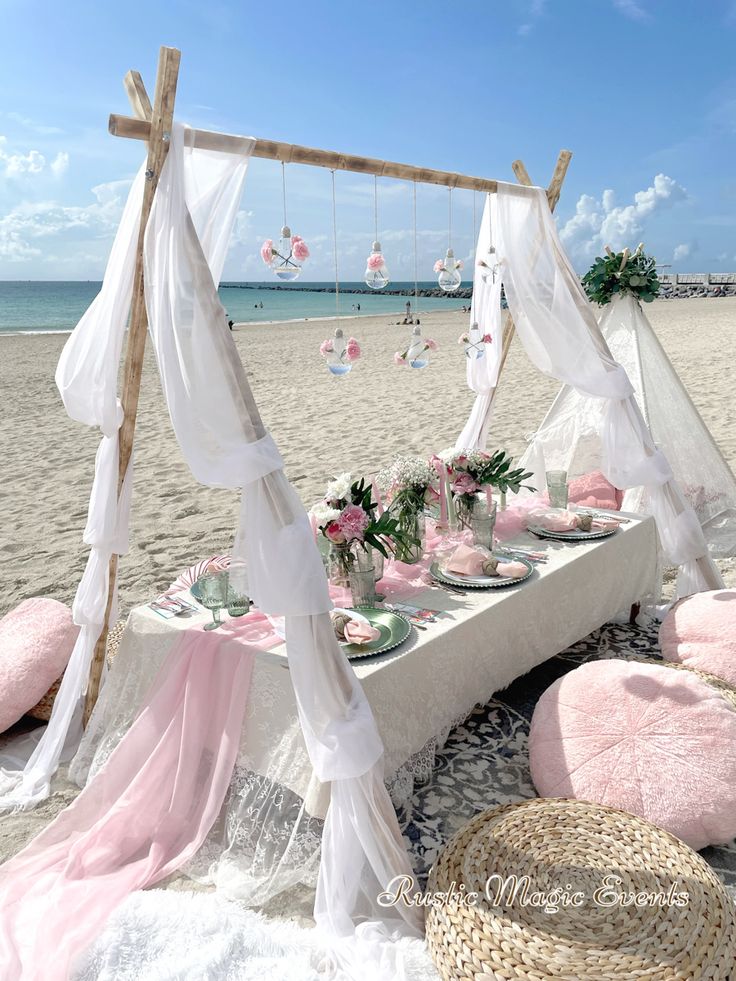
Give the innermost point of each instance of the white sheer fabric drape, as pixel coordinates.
(558, 329)
(485, 311)
(225, 443)
(87, 380)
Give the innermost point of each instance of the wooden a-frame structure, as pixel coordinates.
(152, 123)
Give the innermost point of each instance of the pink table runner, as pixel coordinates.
(146, 813)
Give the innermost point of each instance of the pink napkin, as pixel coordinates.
(511, 570)
(466, 561)
(555, 520)
(360, 632)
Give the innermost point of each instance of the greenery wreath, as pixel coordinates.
(621, 272)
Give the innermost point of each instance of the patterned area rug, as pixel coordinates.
(485, 761)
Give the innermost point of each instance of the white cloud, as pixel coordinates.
(31, 124)
(631, 9)
(536, 9)
(60, 164)
(681, 252)
(599, 223)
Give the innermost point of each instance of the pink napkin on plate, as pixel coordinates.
(554, 520)
(360, 632)
(511, 570)
(466, 561)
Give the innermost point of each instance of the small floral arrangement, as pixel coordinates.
(409, 484)
(350, 353)
(298, 251)
(375, 261)
(619, 272)
(402, 358)
(347, 516)
(465, 339)
(469, 471)
(442, 265)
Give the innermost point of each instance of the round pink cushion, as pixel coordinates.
(644, 738)
(36, 641)
(700, 631)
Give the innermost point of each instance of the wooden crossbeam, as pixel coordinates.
(160, 118)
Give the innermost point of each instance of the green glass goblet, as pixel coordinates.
(214, 596)
(238, 601)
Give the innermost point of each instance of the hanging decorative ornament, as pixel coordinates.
(376, 273)
(340, 353)
(475, 342)
(489, 265)
(285, 261)
(417, 351)
(449, 278)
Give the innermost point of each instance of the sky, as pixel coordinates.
(642, 91)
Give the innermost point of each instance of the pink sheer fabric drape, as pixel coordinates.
(144, 815)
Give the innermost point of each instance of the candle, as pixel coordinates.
(313, 523)
(444, 491)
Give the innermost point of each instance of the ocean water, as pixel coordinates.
(31, 306)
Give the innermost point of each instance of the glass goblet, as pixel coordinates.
(214, 596)
(238, 601)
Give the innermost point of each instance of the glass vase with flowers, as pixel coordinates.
(475, 474)
(410, 485)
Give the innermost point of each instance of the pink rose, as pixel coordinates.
(353, 522)
(399, 358)
(299, 248)
(464, 484)
(463, 339)
(326, 347)
(487, 339)
(267, 251)
(375, 261)
(437, 464)
(352, 350)
(461, 460)
(334, 533)
(459, 264)
(431, 345)
(439, 266)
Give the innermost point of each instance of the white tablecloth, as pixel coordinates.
(435, 679)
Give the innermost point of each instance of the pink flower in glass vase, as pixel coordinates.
(439, 266)
(267, 251)
(299, 248)
(352, 349)
(375, 260)
(399, 358)
(334, 533)
(487, 339)
(431, 345)
(463, 339)
(326, 347)
(353, 522)
(464, 484)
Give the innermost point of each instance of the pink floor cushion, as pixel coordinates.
(36, 642)
(700, 631)
(644, 738)
(593, 490)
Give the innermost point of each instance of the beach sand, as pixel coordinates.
(322, 425)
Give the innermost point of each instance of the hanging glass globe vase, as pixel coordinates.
(339, 353)
(449, 278)
(417, 350)
(285, 259)
(475, 343)
(376, 273)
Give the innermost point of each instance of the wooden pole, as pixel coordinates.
(553, 196)
(159, 131)
(138, 129)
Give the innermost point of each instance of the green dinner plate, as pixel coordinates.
(394, 630)
(571, 536)
(481, 581)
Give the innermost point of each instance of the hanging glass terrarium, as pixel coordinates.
(376, 273)
(449, 278)
(340, 353)
(474, 342)
(285, 259)
(417, 352)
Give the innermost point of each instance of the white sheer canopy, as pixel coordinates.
(559, 332)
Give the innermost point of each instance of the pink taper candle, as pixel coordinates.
(444, 491)
(313, 523)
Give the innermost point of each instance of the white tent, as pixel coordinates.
(568, 438)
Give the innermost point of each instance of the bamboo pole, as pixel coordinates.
(138, 129)
(159, 130)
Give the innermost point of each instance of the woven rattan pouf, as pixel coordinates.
(568, 920)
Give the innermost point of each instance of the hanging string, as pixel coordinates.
(449, 218)
(416, 275)
(334, 246)
(472, 249)
(375, 203)
(283, 187)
